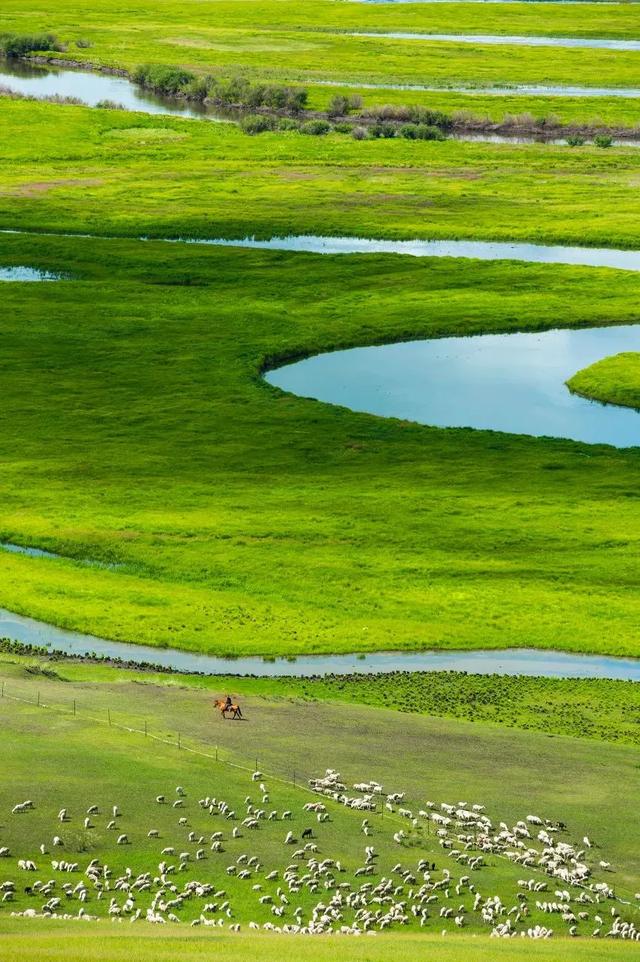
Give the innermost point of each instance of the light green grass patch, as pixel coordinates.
(614, 380)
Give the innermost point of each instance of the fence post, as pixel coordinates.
(145, 728)
(109, 715)
(74, 706)
(38, 699)
(178, 739)
(294, 777)
(3, 689)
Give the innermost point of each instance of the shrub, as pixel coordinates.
(21, 45)
(384, 130)
(238, 91)
(197, 89)
(83, 44)
(409, 131)
(166, 80)
(257, 124)
(341, 105)
(575, 140)
(433, 118)
(603, 140)
(316, 128)
(360, 133)
(389, 112)
(343, 128)
(109, 105)
(288, 123)
(429, 132)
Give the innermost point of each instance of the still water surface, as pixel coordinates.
(521, 661)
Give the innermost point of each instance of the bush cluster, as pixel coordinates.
(341, 105)
(20, 45)
(165, 80)
(262, 123)
(230, 91)
(414, 114)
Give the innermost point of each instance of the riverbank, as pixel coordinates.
(459, 123)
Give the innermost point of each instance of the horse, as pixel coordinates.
(223, 707)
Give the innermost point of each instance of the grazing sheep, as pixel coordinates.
(123, 840)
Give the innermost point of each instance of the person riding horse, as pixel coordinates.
(225, 705)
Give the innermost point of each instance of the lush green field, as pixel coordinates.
(614, 380)
(110, 172)
(582, 708)
(148, 439)
(60, 942)
(279, 39)
(64, 760)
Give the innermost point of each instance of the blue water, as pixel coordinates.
(91, 88)
(533, 90)
(28, 274)
(597, 43)
(516, 661)
(501, 382)
(478, 250)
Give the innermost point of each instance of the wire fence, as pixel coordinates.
(117, 719)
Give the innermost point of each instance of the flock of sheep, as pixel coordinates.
(312, 892)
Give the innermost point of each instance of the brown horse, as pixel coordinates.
(223, 707)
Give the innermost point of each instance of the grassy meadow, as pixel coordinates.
(69, 942)
(596, 708)
(614, 380)
(276, 39)
(280, 40)
(245, 521)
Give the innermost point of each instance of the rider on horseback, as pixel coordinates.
(228, 704)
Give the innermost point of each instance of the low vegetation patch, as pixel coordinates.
(614, 380)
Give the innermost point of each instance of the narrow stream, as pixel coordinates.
(92, 88)
(595, 43)
(529, 90)
(28, 274)
(517, 661)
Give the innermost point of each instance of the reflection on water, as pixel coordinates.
(531, 90)
(478, 250)
(550, 664)
(26, 274)
(500, 382)
(92, 88)
(597, 43)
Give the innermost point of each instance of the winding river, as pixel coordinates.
(437, 382)
(516, 661)
(92, 88)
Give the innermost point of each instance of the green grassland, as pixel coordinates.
(603, 709)
(59, 759)
(286, 41)
(110, 172)
(64, 942)
(614, 380)
(137, 431)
